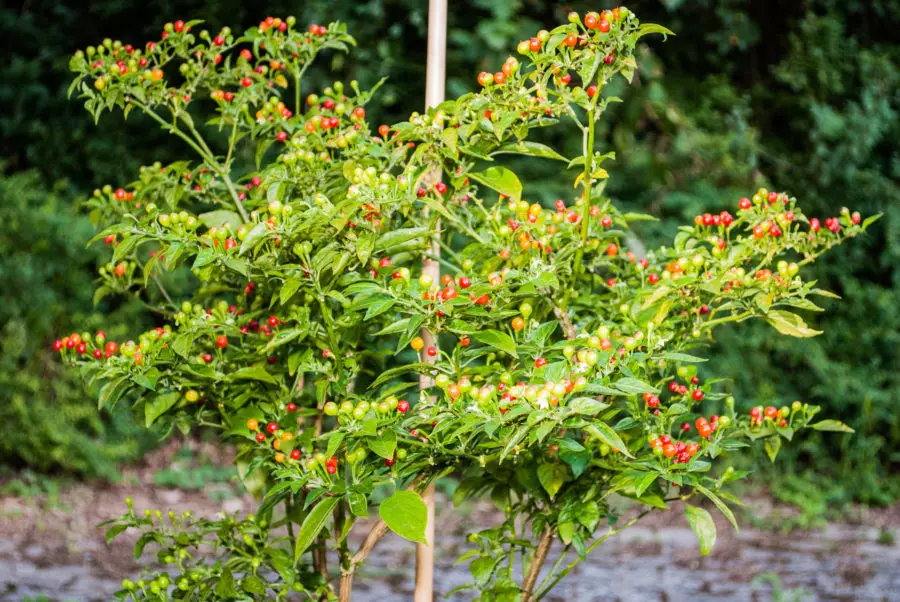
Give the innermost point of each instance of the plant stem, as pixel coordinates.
(320, 562)
(298, 77)
(368, 544)
(172, 129)
(731, 318)
(203, 150)
(546, 589)
(534, 569)
(162, 289)
(375, 533)
(555, 566)
(222, 170)
(586, 181)
(563, 316)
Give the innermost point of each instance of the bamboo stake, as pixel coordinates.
(434, 95)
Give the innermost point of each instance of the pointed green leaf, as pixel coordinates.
(551, 477)
(220, 218)
(500, 179)
(359, 505)
(702, 524)
(406, 515)
(384, 444)
(158, 406)
(724, 509)
(496, 339)
(605, 433)
(832, 425)
(790, 324)
(648, 28)
(532, 149)
(256, 372)
(313, 524)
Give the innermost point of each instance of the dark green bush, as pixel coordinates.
(47, 419)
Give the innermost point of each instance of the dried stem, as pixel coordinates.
(563, 317)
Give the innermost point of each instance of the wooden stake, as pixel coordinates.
(434, 95)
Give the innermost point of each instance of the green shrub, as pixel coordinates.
(48, 419)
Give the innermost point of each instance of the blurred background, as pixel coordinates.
(800, 96)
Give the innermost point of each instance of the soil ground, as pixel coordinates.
(54, 552)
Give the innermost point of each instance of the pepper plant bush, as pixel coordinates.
(564, 368)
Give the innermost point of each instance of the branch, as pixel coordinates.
(546, 589)
(534, 569)
(375, 534)
(162, 289)
(563, 317)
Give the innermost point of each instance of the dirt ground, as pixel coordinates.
(55, 551)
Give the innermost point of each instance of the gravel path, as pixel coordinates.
(56, 552)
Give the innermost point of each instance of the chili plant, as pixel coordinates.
(565, 366)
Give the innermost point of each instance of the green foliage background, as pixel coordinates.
(793, 95)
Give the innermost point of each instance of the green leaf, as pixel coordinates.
(648, 28)
(281, 561)
(832, 425)
(552, 477)
(254, 236)
(406, 515)
(158, 406)
(101, 292)
(291, 286)
(566, 531)
(220, 218)
(204, 258)
(532, 149)
(633, 386)
(127, 245)
(496, 339)
(802, 304)
(182, 345)
(639, 217)
(112, 391)
(500, 179)
(395, 238)
(225, 586)
(148, 379)
(586, 405)
(255, 372)
(334, 442)
(724, 509)
(313, 524)
(702, 524)
(384, 445)
(823, 293)
(871, 220)
(638, 480)
(790, 324)
(380, 305)
(482, 568)
(253, 585)
(114, 532)
(359, 505)
(772, 446)
(605, 433)
(680, 357)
